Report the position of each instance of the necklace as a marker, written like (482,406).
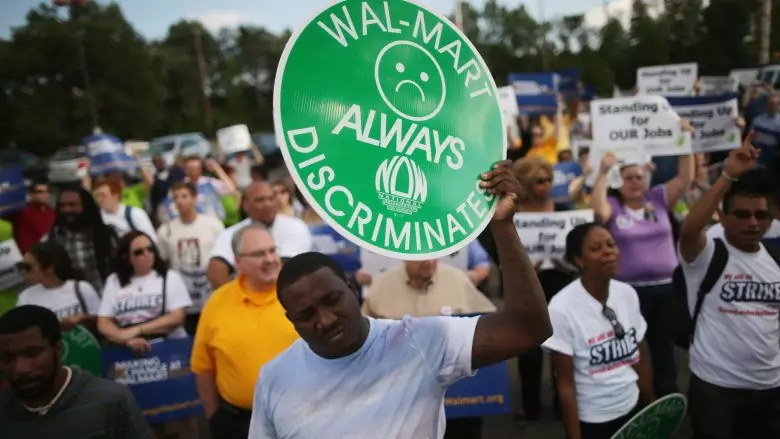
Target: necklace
(45,409)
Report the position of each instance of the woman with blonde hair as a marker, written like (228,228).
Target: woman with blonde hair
(535,175)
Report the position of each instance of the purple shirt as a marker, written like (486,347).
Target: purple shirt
(646,246)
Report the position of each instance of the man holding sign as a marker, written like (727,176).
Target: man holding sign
(353,376)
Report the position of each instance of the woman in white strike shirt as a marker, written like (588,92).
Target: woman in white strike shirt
(598,349)
(143,299)
(57,285)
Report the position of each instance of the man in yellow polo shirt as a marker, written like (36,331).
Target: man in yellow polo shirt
(241,328)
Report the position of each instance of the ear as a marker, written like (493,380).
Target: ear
(58,349)
(577,260)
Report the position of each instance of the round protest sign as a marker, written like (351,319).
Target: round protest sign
(387,115)
(659,420)
(81,349)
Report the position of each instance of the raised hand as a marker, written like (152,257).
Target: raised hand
(742,159)
(501,181)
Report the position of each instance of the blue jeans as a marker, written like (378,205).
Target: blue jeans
(657,303)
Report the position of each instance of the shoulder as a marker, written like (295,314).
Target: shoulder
(29,292)
(103,389)
(230,231)
(211,222)
(390,277)
(567,297)
(221,295)
(289,223)
(622,290)
(112,280)
(283,366)
(173,276)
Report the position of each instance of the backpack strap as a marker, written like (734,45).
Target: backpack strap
(720,258)
(80,297)
(164,293)
(129,217)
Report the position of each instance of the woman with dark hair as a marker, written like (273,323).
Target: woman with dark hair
(598,347)
(79,228)
(638,217)
(143,299)
(55,284)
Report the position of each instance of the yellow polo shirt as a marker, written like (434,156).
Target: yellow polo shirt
(239,331)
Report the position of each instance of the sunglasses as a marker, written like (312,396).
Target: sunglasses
(23,267)
(610,315)
(143,250)
(759,215)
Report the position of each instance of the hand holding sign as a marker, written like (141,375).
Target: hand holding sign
(742,159)
(500,181)
(608,161)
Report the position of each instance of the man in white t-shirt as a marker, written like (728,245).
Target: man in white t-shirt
(123,218)
(291,235)
(735,352)
(356,377)
(185,243)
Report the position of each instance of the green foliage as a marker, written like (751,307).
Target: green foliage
(140,89)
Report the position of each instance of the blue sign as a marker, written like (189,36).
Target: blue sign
(563,174)
(107,154)
(208,201)
(327,241)
(162,382)
(484,394)
(569,82)
(535,92)
(13,195)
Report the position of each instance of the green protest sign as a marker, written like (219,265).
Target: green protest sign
(659,420)
(80,348)
(386,115)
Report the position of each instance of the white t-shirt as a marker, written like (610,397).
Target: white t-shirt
(217,184)
(392,387)
(186,246)
(603,364)
(62,300)
(141,300)
(737,340)
(118,220)
(291,235)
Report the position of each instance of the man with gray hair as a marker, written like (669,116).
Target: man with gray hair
(242,327)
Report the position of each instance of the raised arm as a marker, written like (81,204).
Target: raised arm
(523,322)
(693,236)
(598,197)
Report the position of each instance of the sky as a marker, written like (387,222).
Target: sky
(152,17)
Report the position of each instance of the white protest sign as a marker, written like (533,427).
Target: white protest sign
(717,85)
(507,101)
(234,138)
(647,122)
(670,80)
(714,124)
(544,233)
(9,256)
(375,264)
(632,155)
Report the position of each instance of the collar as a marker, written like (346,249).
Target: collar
(426,285)
(257,298)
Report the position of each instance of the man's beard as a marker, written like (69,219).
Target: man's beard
(73,220)
(45,384)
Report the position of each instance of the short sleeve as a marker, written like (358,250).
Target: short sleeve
(163,244)
(23,298)
(657,196)
(219,186)
(702,261)
(223,248)
(478,257)
(201,360)
(446,343)
(562,340)
(107,303)
(261,426)
(178,296)
(91,298)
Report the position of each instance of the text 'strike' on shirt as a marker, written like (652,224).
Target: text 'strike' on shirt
(387,115)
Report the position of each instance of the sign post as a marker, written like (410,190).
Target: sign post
(388,139)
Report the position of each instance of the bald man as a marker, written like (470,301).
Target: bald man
(291,235)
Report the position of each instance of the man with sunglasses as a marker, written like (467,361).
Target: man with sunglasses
(34,221)
(735,352)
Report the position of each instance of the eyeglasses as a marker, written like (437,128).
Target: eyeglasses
(759,215)
(258,253)
(142,250)
(617,328)
(23,267)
